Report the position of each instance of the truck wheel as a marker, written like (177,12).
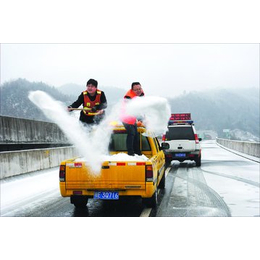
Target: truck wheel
(79,201)
(198,161)
(167,164)
(162,182)
(151,202)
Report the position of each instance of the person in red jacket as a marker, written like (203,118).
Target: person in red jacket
(94,104)
(130,122)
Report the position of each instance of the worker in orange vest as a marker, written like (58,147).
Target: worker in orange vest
(130,122)
(94,104)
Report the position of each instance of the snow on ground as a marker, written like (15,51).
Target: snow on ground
(28,187)
(235,178)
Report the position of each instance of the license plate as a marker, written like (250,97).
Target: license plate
(180,154)
(106,195)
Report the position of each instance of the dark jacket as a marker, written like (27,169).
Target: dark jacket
(90,119)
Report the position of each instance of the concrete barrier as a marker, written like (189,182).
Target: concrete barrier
(20,130)
(25,131)
(250,148)
(25,161)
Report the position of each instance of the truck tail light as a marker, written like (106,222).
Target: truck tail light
(196,139)
(164,137)
(62,173)
(149,173)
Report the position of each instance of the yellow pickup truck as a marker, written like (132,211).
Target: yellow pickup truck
(136,176)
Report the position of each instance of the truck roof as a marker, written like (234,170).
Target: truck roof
(121,128)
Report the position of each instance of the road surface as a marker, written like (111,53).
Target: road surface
(226,185)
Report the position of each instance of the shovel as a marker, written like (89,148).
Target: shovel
(86,109)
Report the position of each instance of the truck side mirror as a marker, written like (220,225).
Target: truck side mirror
(165,146)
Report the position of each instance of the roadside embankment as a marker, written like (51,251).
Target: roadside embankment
(250,148)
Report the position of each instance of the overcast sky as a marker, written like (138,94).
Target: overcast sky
(162,69)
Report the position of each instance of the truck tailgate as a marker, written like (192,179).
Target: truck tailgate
(113,176)
(182,145)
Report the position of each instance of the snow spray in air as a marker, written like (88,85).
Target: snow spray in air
(155,112)
(92,143)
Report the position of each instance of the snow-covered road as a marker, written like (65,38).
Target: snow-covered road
(227,182)
(235,178)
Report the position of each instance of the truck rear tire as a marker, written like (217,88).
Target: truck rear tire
(167,163)
(162,182)
(151,202)
(79,201)
(198,161)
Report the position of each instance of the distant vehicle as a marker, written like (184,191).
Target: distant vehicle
(117,178)
(207,137)
(182,139)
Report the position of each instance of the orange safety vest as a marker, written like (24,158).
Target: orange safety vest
(89,104)
(130,93)
(125,118)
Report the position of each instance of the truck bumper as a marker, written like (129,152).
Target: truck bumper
(133,190)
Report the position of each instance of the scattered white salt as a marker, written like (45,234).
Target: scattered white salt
(92,143)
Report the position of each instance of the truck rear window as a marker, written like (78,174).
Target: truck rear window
(118,143)
(180,133)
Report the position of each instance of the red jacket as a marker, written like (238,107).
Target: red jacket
(124,117)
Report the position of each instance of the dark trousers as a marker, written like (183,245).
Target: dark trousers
(132,139)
